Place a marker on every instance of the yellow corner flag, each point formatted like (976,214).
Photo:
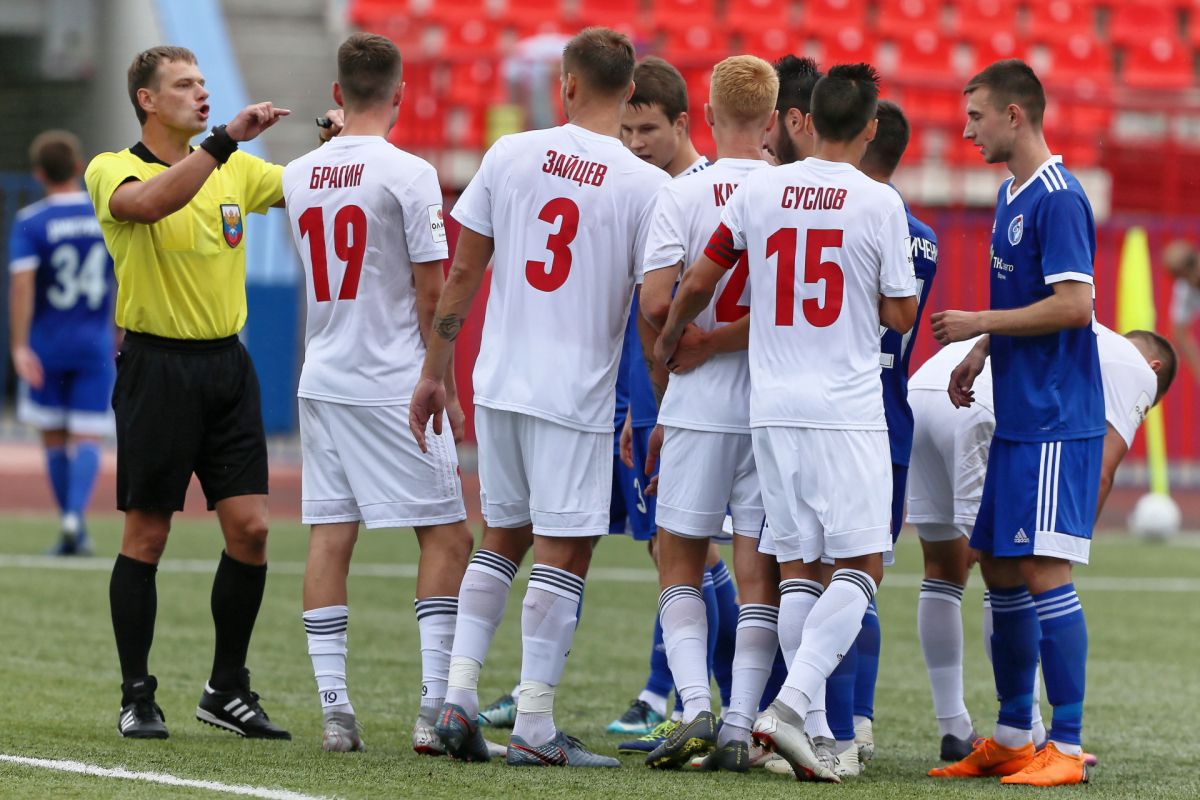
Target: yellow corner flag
(1135,311)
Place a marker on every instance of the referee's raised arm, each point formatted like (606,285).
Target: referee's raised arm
(186,395)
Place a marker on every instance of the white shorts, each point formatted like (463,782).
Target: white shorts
(826,492)
(700,474)
(535,470)
(949,460)
(362,463)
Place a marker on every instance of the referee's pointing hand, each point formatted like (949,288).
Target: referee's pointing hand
(253,120)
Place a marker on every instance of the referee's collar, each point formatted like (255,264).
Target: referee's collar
(141,151)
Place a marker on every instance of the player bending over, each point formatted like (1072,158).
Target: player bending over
(816,410)
(367,220)
(1043,472)
(707,458)
(950,450)
(61,311)
(563,210)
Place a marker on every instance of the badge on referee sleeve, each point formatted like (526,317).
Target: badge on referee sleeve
(231,223)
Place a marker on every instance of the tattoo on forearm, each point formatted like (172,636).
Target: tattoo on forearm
(447,327)
(659,391)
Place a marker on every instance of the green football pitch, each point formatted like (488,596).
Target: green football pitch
(58,669)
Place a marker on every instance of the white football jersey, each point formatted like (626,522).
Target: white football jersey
(359,231)
(823,242)
(1130,385)
(567,210)
(716,395)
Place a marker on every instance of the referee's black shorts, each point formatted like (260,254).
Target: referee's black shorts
(185,406)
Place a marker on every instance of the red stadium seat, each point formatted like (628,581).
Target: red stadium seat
(980,20)
(847,45)
(1059,20)
(683,14)
(770,43)
(528,14)
(1000,45)
(451,10)
(697,80)
(1138,21)
(899,19)
(935,106)
(1161,63)
(470,38)
(914,154)
(751,16)
(825,15)
(475,83)
(620,15)
(695,44)
(1088,120)
(925,54)
(1081,64)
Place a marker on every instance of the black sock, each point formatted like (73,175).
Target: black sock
(134,601)
(236,595)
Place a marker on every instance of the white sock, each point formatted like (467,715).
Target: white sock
(753,656)
(548,621)
(685,635)
(1038,731)
(796,599)
(939,627)
(436,620)
(481,603)
(1069,749)
(656,702)
(831,628)
(816,723)
(844,744)
(326,629)
(1011,737)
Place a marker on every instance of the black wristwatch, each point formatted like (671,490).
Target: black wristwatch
(219,144)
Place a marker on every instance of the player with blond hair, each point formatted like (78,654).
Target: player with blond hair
(707,456)
(564,212)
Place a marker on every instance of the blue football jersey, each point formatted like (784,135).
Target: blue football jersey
(895,351)
(623,377)
(60,237)
(1046,388)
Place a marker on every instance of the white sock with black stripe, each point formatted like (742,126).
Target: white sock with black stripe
(436,620)
(481,604)
(831,627)
(685,636)
(939,628)
(753,656)
(326,629)
(548,619)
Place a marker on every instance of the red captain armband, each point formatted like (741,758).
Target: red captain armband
(720,248)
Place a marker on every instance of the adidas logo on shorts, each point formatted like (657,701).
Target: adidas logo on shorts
(1021,538)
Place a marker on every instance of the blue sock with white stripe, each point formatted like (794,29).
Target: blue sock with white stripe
(839,696)
(1015,635)
(1064,647)
(868,643)
(659,683)
(727,611)
(82,477)
(58,466)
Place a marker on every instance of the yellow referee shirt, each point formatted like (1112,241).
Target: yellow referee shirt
(183,277)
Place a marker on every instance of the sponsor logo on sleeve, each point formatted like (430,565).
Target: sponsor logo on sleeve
(437,226)
(1140,409)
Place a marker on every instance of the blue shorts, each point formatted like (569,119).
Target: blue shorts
(1039,498)
(76,400)
(899,484)
(629,501)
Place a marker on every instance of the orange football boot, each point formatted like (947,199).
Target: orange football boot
(988,760)
(1051,767)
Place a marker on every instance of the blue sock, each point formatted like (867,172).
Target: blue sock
(727,609)
(660,681)
(839,695)
(1015,635)
(714,615)
(1064,647)
(779,671)
(868,664)
(82,476)
(58,465)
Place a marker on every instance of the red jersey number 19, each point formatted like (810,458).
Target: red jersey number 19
(349,245)
(558,245)
(782,243)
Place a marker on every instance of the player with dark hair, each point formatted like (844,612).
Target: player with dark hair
(816,410)
(790,140)
(60,300)
(186,396)
(1039,499)
(563,211)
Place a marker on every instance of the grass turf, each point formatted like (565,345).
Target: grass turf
(59,670)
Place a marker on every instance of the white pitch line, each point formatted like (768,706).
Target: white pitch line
(895,580)
(80,768)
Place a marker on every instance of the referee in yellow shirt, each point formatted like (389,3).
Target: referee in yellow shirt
(186,396)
